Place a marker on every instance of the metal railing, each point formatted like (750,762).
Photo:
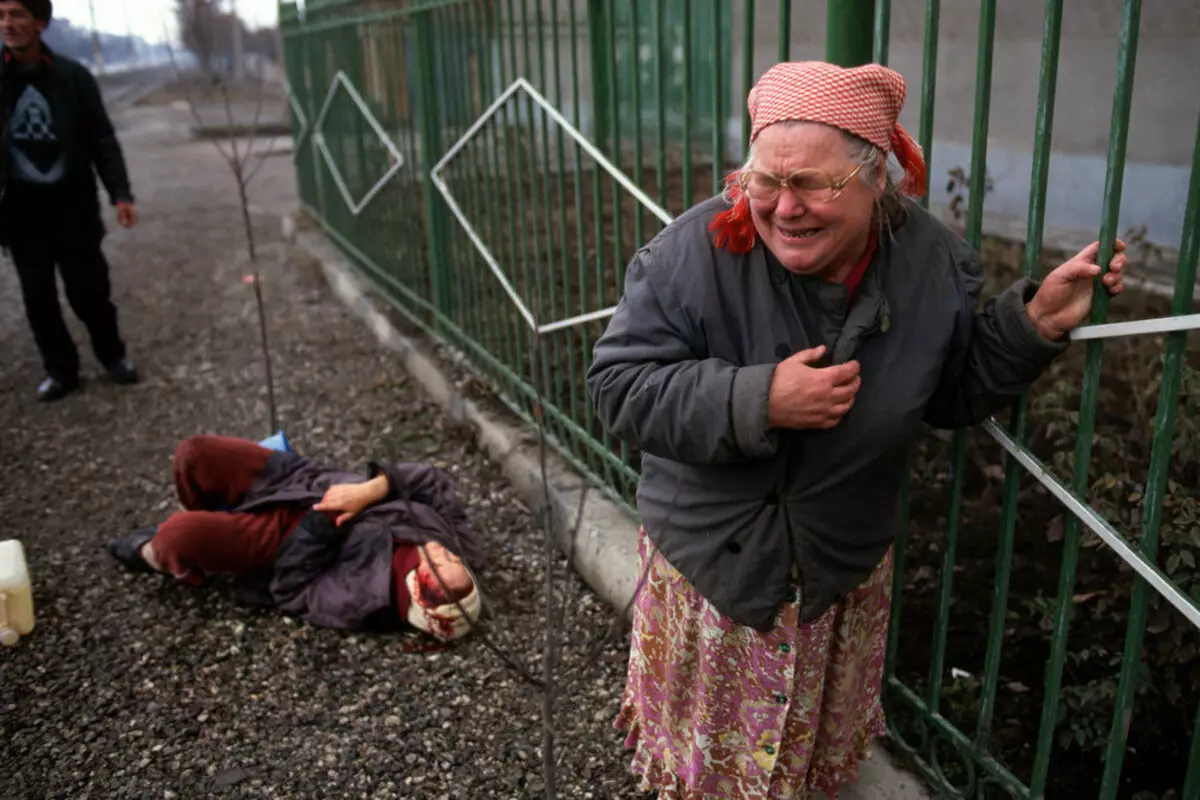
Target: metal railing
(509,157)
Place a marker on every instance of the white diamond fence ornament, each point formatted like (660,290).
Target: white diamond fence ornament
(521,85)
(298,111)
(340,80)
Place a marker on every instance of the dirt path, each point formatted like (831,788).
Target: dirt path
(138,687)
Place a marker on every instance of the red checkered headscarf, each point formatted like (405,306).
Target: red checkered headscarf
(863,101)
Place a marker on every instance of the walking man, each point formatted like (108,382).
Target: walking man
(53,131)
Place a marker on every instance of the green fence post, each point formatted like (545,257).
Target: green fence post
(598,12)
(849,32)
(431,149)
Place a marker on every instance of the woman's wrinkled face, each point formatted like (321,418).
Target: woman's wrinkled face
(808,236)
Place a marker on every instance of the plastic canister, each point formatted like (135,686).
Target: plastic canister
(16,594)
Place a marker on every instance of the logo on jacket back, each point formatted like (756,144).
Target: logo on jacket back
(37,154)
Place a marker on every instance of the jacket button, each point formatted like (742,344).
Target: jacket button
(733,547)
(885,324)
(772,499)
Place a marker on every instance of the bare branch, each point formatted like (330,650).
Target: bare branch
(229,120)
(549,641)
(262,159)
(187,96)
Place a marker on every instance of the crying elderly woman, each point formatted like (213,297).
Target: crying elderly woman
(775,352)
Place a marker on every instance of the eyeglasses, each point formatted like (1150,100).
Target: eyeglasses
(809,185)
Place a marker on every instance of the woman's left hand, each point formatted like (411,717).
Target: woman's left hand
(1065,297)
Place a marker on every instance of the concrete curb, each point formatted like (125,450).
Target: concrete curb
(606,547)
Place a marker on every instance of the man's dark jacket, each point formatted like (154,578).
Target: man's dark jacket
(86,135)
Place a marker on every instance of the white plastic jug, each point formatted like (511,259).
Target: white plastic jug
(16,594)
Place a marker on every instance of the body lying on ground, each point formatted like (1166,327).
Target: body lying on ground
(336,548)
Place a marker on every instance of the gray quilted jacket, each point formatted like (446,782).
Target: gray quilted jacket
(683,371)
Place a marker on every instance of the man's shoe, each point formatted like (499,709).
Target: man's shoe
(122,371)
(56,388)
(128,549)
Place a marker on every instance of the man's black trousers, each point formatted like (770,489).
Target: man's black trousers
(84,271)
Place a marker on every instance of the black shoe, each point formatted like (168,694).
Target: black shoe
(122,371)
(128,550)
(56,388)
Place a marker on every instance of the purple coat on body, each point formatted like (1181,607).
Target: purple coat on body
(340,577)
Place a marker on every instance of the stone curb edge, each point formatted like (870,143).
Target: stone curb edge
(605,552)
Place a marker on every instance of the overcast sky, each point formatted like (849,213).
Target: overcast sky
(147,17)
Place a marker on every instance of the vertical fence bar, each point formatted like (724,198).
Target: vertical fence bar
(561,186)
(617,191)
(983,91)
(883,30)
(427,105)
(660,97)
(747,69)
(546,267)
(718,131)
(900,548)
(580,249)
(483,309)
(1118,136)
(933,13)
(785,29)
(687,103)
(531,215)
(516,144)
(849,25)
(1156,482)
(354,40)
(598,12)
(635,44)
(506,29)
(415,198)
(448,39)
(498,340)
(1043,127)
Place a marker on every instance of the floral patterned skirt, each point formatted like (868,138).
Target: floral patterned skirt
(714,709)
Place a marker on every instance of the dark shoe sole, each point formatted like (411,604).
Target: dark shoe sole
(127,550)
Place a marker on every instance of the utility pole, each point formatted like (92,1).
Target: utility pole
(97,56)
(238,58)
(133,49)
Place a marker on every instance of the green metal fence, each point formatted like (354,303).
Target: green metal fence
(493,164)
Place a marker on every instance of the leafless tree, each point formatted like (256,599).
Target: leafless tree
(198,27)
(245,159)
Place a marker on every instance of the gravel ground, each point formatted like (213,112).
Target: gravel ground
(137,687)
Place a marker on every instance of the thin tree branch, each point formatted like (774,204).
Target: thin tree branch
(549,641)
(187,96)
(229,120)
(262,159)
